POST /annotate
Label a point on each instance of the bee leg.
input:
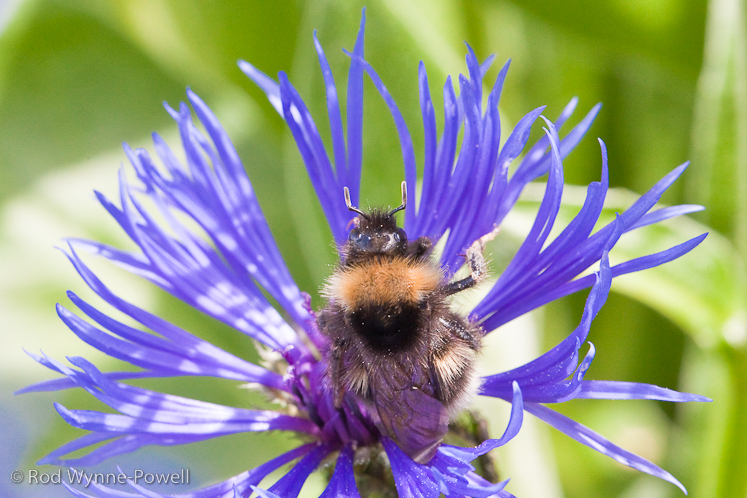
(473, 429)
(335, 369)
(476, 263)
(419, 247)
(480, 430)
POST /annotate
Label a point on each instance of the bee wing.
(415, 420)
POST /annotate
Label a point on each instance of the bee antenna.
(404, 200)
(350, 206)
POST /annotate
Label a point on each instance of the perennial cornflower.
(465, 192)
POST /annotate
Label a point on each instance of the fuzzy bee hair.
(396, 346)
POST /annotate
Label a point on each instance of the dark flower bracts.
(466, 191)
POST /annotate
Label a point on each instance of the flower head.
(466, 191)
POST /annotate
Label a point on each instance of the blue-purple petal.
(413, 480)
(595, 441)
(355, 115)
(334, 116)
(343, 479)
(291, 483)
(557, 364)
(267, 84)
(611, 389)
(235, 486)
(405, 140)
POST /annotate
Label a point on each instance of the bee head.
(376, 232)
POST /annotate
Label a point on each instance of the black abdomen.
(387, 328)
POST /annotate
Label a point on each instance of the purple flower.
(466, 192)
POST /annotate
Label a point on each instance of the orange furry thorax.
(383, 281)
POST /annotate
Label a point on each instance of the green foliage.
(78, 77)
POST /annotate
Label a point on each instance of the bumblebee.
(395, 344)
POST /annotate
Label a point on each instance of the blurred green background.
(78, 77)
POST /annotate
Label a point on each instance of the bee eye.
(394, 240)
(360, 240)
